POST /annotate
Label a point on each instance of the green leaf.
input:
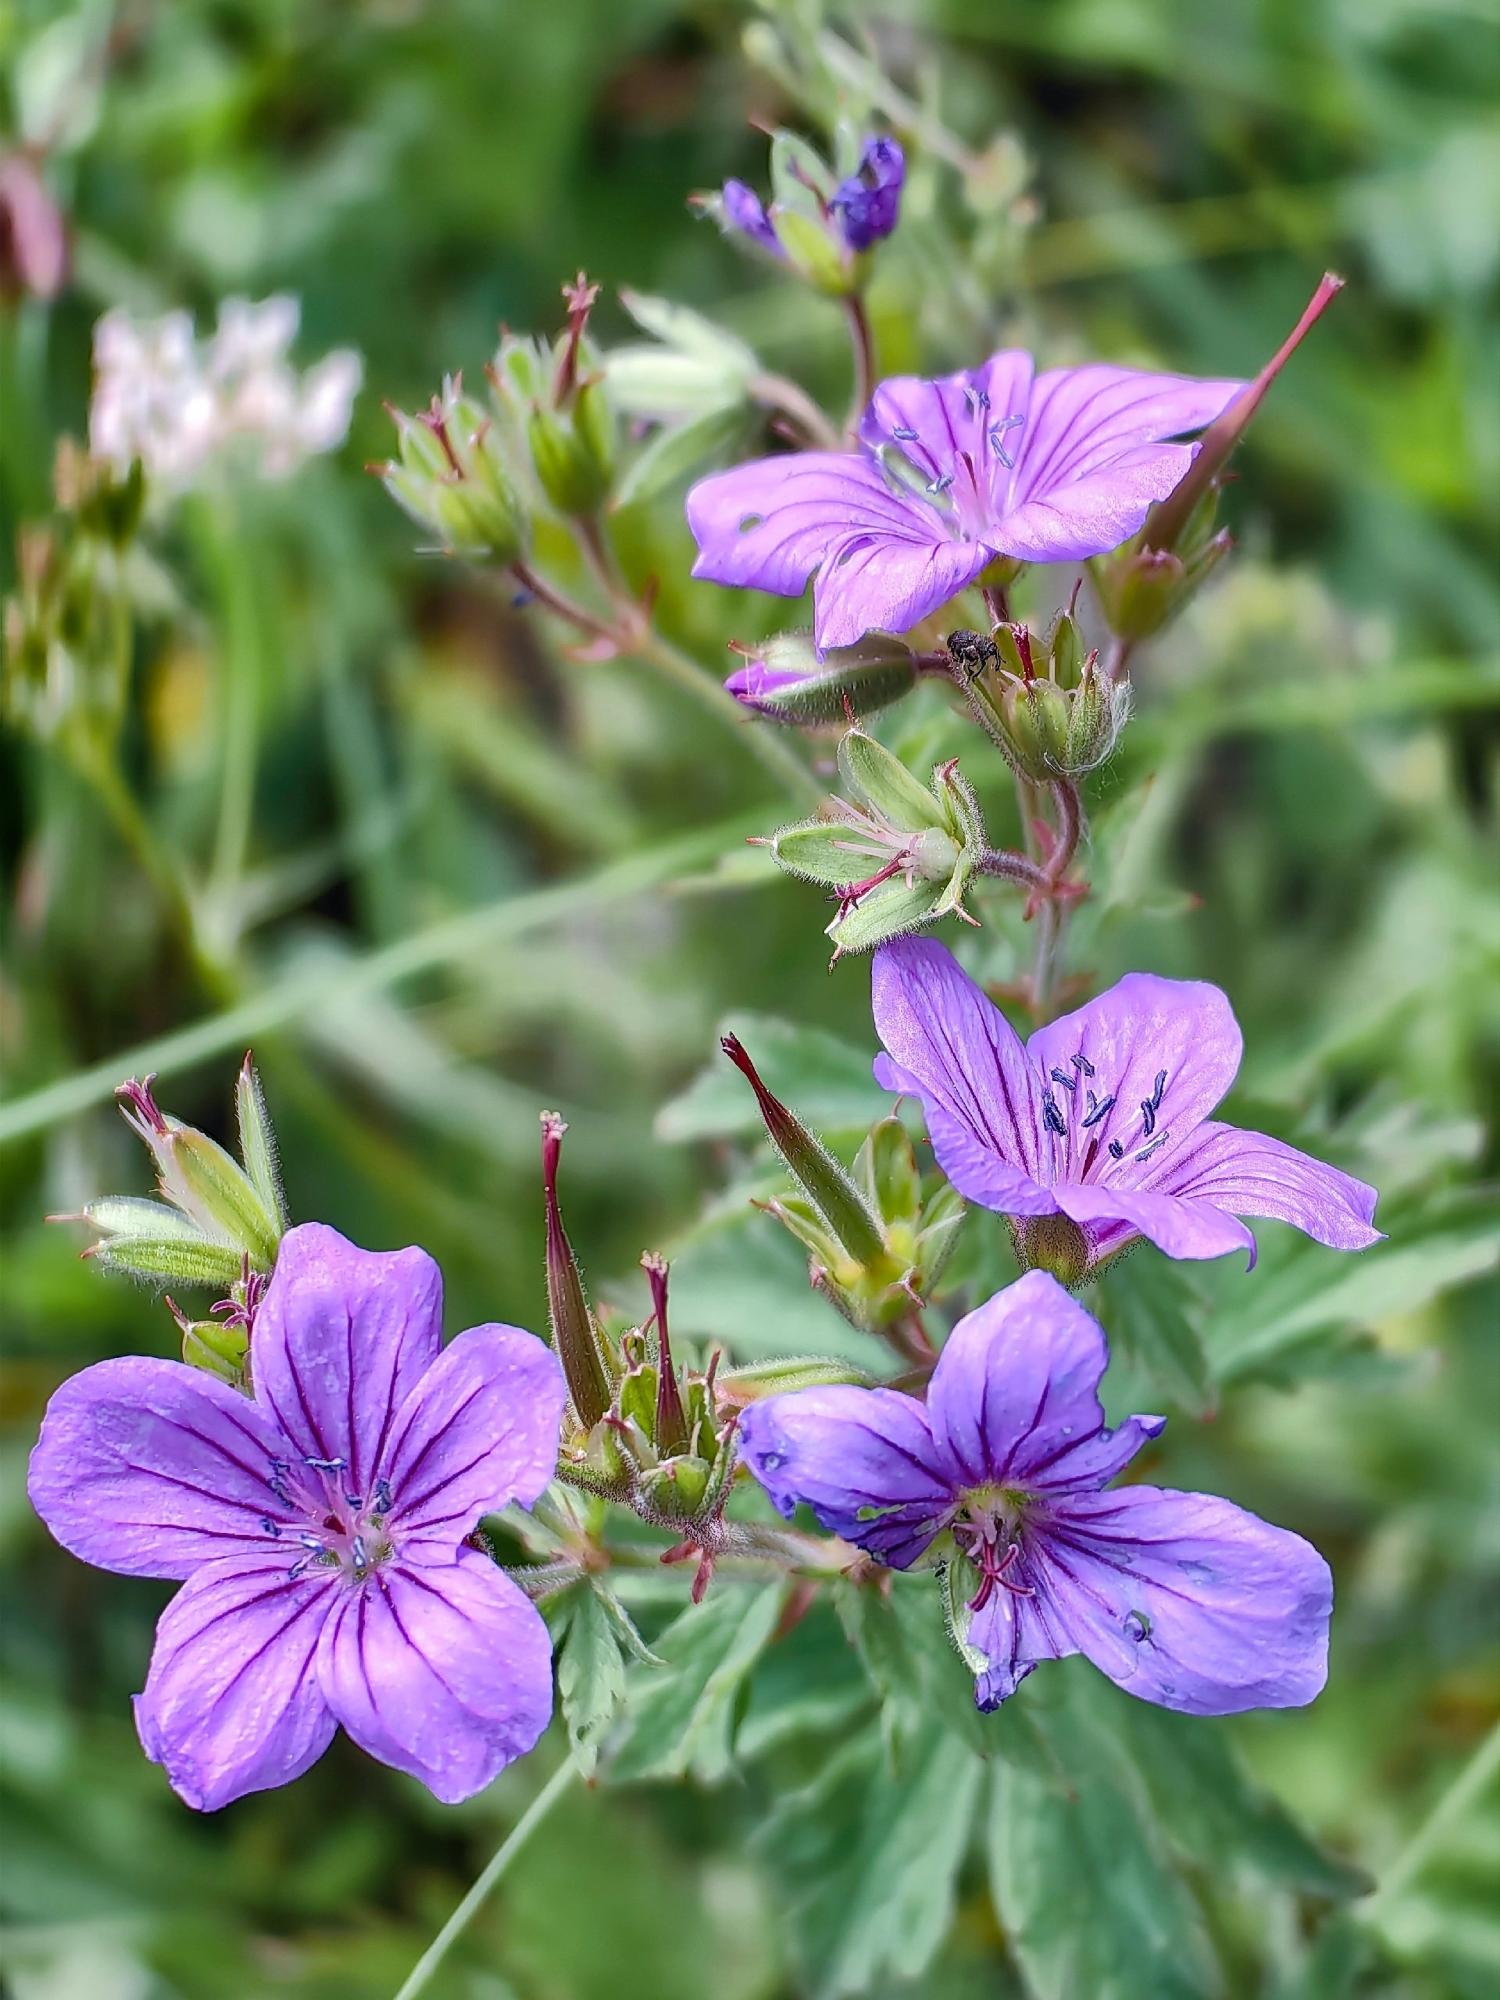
(677, 451)
(590, 1672)
(681, 1721)
(827, 1082)
(1083, 1886)
(689, 332)
(1207, 1804)
(868, 1857)
(1153, 1309)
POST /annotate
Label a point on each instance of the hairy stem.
(792, 402)
(1053, 916)
(421, 1973)
(863, 342)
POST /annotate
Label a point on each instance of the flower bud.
(575, 1333)
(1043, 703)
(450, 475)
(784, 679)
(1052, 1243)
(553, 402)
(821, 227)
(899, 854)
(208, 1188)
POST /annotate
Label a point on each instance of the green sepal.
(169, 1260)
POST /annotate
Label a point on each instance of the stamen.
(1155, 1147)
(1161, 1084)
(996, 432)
(360, 1553)
(1081, 1061)
(905, 434)
(382, 1496)
(1068, 1082)
(1148, 1115)
(313, 1542)
(272, 1528)
(1054, 1118)
(941, 484)
(1097, 1108)
(327, 1464)
(1116, 1150)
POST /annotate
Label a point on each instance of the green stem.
(421, 1973)
(1467, 1788)
(863, 342)
(761, 739)
(791, 401)
(1053, 915)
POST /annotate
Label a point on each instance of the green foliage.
(339, 800)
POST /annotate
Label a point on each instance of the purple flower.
(754, 684)
(1181, 1598)
(318, 1529)
(952, 474)
(1101, 1118)
(743, 209)
(868, 204)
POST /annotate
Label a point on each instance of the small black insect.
(971, 653)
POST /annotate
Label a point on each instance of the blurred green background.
(479, 877)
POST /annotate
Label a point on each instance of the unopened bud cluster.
(216, 1225)
(1142, 584)
(877, 1236)
(1044, 701)
(639, 1428)
(822, 221)
(473, 469)
(897, 853)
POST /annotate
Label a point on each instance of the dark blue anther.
(982, 398)
(361, 1556)
(312, 1542)
(271, 1527)
(1116, 1150)
(1148, 1115)
(1068, 1082)
(1161, 1084)
(997, 431)
(940, 485)
(327, 1464)
(353, 1500)
(1156, 1145)
(1081, 1061)
(382, 1496)
(302, 1563)
(905, 433)
(1097, 1110)
(1053, 1116)
(521, 599)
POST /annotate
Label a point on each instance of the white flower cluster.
(183, 406)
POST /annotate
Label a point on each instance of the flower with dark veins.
(951, 475)
(1181, 1598)
(320, 1528)
(1096, 1131)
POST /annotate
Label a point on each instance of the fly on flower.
(1096, 1131)
(951, 476)
(1181, 1598)
(319, 1528)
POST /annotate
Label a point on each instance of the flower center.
(1087, 1121)
(988, 1533)
(953, 472)
(332, 1526)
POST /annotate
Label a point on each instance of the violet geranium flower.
(868, 203)
(319, 1528)
(1101, 1118)
(951, 475)
(1181, 1598)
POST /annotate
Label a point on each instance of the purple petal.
(888, 583)
(744, 210)
(478, 1431)
(1171, 1042)
(1083, 467)
(751, 683)
(150, 1468)
(950, 1046)
(232, 1702)
(1088, 517)
(1182, 1228)
(1013, 1632)
(1186, 1600)
(445, 1673)
(767, 525)
(1014, 1396)
(863, 1460)
(341, 1338)
(868, 203)
(1248, 1173)
(934, 423)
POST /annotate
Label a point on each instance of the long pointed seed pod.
(572, 1324)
